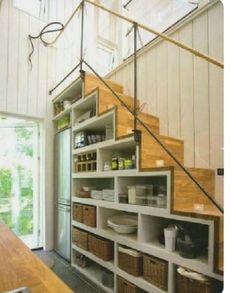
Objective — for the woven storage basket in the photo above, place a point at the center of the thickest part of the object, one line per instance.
(155, 271)
(83, 194)
(130, 261)
(187, 284)
(124, 286)
(78, 212)
(101, 247)
(80, 238)
(89, 215)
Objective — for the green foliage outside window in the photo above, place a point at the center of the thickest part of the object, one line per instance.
(5, 183)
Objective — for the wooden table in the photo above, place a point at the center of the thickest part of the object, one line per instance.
(19, 267)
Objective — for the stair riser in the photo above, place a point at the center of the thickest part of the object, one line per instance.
(92, 82)
(107, 99)
(186, 193)
(125, 122)
(152, 151)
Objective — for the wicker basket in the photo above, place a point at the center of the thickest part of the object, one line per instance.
(78, 212)
(155, 271)
(101, 247)
(89, 215)
(187, 284)
(124, 286)
(83, 194)
(80, 238)
(130, 261)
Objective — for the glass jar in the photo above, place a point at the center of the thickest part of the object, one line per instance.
(107, 166)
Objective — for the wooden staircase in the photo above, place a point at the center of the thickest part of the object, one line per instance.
(185, 193)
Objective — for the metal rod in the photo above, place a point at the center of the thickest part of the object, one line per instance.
(82, 35)
(162, 35)
(66, 24)
(135, 77)
(157, 139)
(127, 3)
(60, 82)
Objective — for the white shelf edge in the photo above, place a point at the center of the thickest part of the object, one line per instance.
(145, 210)
(140, 282)
(108, 234)
(92, 121)
(59, 96)
(106, 264)
(84, 100)
(93, 147)
(61, 114)
(92, 278)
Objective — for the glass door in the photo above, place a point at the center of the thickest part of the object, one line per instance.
(19, 178)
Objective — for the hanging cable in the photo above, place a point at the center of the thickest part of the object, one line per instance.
(40, 36)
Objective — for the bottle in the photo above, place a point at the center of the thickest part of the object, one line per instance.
(114, 163)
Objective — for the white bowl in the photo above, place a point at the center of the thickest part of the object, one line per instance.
(88, 188)
(124, 224)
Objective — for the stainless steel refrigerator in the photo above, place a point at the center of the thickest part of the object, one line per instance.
(63, 193)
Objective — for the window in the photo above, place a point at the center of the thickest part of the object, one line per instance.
(36, 8)
(157, 14)
(105, 57)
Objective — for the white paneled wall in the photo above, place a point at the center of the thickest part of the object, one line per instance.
(184, 91)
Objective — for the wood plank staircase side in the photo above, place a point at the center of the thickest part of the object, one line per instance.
(151, 151)
(186, 193)
(106, 100)
(125, 122)
(91, 82)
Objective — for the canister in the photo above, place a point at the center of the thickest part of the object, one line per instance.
(161, 201)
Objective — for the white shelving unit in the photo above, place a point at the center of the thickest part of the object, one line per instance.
(150, 219)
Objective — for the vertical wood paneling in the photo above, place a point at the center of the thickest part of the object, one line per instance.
(162, 87)
(142, 77)
(173, 89)
(215, 31)
(186, 96)
(151, 82)
(13, 66)
(23, 77)
(42, 79)
(60, 44)
(52, 49)
(33, 73)
(3, 54)
(201, 93)
(68, 37)
(130, 89)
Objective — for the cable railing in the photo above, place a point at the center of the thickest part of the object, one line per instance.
(134, 111)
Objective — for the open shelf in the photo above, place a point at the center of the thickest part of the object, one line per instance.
(107, 264)
(94, 274)
(140, 282)
(71, 91)
(62, 114)
(96, 122)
